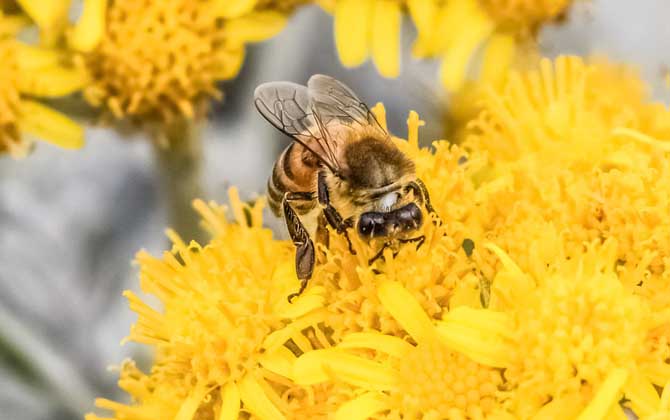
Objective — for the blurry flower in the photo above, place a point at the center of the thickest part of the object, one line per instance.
(219, 337)
(34, 72)
(50, 16)
(164, 62)
(369, 28)
(456, 29)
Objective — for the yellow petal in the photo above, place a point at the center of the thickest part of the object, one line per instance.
(279, 361)
(49, 15)
(423, 14)
(497, 58)
(50, 126)
(565, 407)
(89, 30)
(485, 320)
(607, 394)
(229, 9)
(406, 310)
(191, 403)
(362, 407)
(279, 337)
(323, 365)
(380, 114)
(12, 24)
(254, 27)
(52, 82)
(386, 37)
(643, 396)
(256, 401)
(230, 402)
(231, 60)
(30, 58)
(386, 343)
(481, 347)
(641, 138)
(353, 30)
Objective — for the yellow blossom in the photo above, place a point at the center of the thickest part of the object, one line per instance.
(428, 378)
(30, 72)
(219, 337)
(164, 62)
(566, 316)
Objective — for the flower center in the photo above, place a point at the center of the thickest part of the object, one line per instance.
(433, 376)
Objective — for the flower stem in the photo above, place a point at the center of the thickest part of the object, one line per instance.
(178, 149)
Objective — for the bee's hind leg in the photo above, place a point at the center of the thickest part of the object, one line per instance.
(304, 247)
(333, 217)
(380, 253)
(419, 239)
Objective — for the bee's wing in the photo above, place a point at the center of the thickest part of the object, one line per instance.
(305, 113)
(333, 100)
(289, 108)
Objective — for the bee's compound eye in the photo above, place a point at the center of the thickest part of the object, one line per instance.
(366, 225)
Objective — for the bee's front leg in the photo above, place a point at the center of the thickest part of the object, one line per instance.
(333, 217)
(304, 247)
(420, 188)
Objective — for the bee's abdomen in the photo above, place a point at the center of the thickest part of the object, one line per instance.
(290, 174)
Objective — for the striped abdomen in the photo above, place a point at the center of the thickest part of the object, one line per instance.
(294, 171)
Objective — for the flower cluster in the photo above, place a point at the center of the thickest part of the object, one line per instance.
(29, 72)
(453, 30)
(542, 294)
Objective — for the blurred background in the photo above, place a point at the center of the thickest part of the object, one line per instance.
(71, 222)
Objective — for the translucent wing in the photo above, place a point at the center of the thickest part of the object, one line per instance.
(309, 114)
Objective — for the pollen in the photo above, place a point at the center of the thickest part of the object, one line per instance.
(449, 383)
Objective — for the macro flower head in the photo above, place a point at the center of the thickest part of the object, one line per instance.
(165, 62)
(539, 292)
(30, 72)
(219, 337)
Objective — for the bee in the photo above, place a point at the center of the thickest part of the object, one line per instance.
(342, 170)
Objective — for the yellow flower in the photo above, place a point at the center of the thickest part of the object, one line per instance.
(575, 326)
(219, 337)
(165, 62)
(368, 28)
(455, 30)
(429, 378)
(33, 72)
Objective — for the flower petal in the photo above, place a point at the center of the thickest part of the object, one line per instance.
(279, 361)
(362, 407)
(323, 365)
(230, 402)
(644, 398)
(30, 57)
(386, 343)
(353, 29)
(192, 402)
(406, 310)
(485, 320)
(497, 58)
(423, 14)
(386, 37)
(279, 337)
(49, 14)
(255, 400)
(52, 81)
(228, 9)
(255, 27)
(564, 407)
(607, 395)
(89, 30)
(50, 126)
(486, 349)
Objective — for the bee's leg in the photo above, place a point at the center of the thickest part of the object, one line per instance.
(333, 217)
(420, 239)
(304, 247)
(379, 253)
(419, 187)
(322, 235)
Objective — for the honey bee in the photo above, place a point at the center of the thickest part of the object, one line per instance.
(342, 170)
